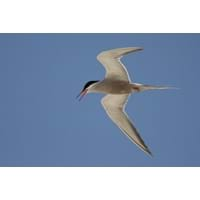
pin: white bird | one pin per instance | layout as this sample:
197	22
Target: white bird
118	86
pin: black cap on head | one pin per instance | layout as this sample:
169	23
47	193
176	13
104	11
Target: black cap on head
88	84
84	91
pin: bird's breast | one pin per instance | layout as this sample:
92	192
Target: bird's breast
113	87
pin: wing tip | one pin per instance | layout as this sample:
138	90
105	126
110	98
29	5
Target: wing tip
125	49
136	48
139	48
148	152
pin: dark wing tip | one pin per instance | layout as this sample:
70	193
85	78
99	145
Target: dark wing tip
148	152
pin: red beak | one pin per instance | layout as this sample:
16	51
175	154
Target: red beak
82	94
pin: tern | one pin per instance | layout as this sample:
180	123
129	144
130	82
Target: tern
118	87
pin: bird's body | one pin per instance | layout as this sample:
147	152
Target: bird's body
112	87
117	86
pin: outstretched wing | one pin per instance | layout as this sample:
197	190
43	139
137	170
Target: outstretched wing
114	106
111	61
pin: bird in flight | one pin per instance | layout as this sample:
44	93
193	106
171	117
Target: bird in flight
118	87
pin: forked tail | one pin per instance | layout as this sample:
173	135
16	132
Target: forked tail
142	87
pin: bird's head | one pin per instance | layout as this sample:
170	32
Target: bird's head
87	87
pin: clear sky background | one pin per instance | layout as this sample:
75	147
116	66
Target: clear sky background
42	124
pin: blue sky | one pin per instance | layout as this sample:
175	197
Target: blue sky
42	124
